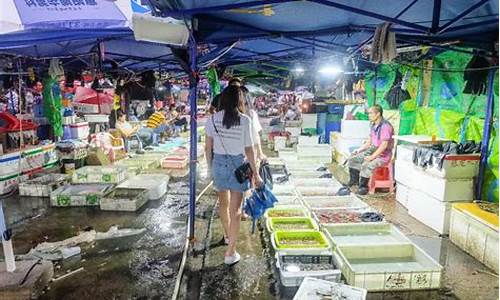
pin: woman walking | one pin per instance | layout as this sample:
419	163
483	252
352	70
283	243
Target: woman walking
228	144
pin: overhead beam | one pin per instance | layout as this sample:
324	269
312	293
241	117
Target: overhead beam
371	14
461	15
470	25
436	16
406	9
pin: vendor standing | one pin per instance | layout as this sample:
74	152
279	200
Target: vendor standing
375	152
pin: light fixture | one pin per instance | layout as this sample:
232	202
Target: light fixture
330	70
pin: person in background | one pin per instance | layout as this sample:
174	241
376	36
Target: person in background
128	132
214	105
228	143
375	152
158	124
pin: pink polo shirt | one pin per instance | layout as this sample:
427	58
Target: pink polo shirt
380	133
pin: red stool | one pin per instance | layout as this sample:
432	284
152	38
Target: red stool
382	178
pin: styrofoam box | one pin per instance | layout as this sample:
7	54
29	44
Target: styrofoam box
308	140
355	129
294	200
324	182
100	174
9	164
124	200
443	189
284	189
404	172
430	211
309	120
309	191
80	130
336	202
347	145
388	267
365	234
279	142
297	175
293	278
42	186
314	289
475	237
96	118
156	184
454	166
402	192
294	131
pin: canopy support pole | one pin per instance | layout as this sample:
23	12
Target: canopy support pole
488	120
193	85
436	16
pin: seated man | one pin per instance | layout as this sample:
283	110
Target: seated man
129	132
158	124
179	122
375	152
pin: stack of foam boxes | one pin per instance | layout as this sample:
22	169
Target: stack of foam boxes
428	193
353	133
309	149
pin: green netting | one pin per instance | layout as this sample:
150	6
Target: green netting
378	83
490	187
408	115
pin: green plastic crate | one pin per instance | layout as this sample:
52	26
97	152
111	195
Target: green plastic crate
282	212
275	224
312	131
318	237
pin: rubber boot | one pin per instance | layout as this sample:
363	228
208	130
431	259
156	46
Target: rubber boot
354	177
363	185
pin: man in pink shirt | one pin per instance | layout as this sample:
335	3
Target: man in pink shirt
375	152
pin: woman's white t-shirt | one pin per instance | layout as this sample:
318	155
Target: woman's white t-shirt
256	127
230	141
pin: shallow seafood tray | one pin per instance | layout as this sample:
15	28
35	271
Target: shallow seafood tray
294	268
156	184
299	182
100	174
300	242
286	189
342	216
318	190
42	186
124	199
290	224
334	202
365	234
389	267
286	211
79	195
317	289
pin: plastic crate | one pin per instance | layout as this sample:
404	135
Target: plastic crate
174	162
314	289
476	232
124	199
156	184
294	224
334	202
292	268
285	211
42	186
389	267
364	234
320	247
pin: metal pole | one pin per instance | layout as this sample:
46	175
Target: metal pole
436	16
193	84
486	133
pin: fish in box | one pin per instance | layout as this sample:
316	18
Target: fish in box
344	216
79	195
42	186
124	199
300	242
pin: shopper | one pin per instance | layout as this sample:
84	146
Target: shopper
228	143
375	152
159	125
130	132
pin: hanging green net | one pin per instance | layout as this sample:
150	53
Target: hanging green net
378	83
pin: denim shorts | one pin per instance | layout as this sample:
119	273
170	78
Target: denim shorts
223	167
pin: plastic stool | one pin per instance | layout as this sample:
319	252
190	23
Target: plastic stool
382	177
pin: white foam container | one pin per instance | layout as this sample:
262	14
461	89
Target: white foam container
294	131
358	129
309	120
287	189
418	271
365	234
404	172
156	184
325	182
292	279
402	192
285	200
9	164
475	236
80	130
335	202
308	140
313	289
119	199
430	211
297	175
309	191
455	166
443	189
279	142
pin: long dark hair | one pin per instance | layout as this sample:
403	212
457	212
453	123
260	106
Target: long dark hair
232	102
